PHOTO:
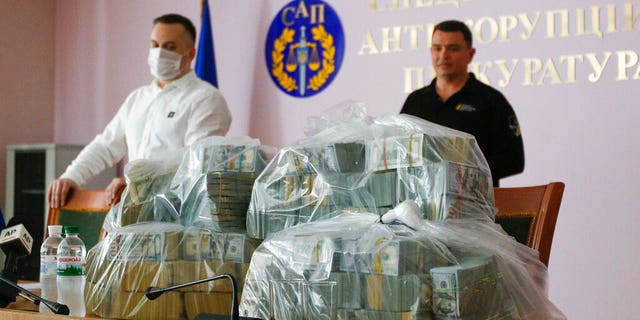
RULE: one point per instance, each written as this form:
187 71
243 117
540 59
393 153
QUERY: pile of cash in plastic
326 255
215 182
179 220
388 161
146 179
458 270
164 254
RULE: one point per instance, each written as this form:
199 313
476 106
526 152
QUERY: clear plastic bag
170 228
215 179
356 163
458 269
146 179
157 254
319 205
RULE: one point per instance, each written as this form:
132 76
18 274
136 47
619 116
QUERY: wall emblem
304 47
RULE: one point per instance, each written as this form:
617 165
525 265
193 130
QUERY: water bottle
71 275
49 266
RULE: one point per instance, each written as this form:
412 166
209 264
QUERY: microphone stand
152 293
55 307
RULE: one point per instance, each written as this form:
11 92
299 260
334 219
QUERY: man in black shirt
456 99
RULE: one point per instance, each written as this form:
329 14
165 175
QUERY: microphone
16 242
55 307
153 293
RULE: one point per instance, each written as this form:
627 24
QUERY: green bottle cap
71 229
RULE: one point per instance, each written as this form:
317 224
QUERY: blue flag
206 60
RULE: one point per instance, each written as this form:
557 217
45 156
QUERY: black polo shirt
482 111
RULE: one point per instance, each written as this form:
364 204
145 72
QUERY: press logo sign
304 47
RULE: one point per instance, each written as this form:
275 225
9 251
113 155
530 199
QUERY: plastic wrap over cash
180 219
146 179
212 187
208 184
352 266
371 165
159 254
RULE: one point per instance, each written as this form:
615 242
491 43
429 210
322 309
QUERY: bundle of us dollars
446 190
147 178
215 183
202 244
234 158
219 199
151 242
440 173
229 195
414 149
284 201
467 290
331 157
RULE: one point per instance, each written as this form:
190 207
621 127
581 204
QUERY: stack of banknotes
310 183
133 258
219 190
470 290
145 180
437 172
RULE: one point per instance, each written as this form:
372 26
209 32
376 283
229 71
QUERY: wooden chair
86 209
529 214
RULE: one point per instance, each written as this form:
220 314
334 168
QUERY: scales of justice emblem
304 49
298 58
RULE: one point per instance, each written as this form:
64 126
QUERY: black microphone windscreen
16 220
152 293
59 308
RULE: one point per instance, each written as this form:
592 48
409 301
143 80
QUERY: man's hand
114 190
59 190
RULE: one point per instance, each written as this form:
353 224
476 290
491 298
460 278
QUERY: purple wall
27 72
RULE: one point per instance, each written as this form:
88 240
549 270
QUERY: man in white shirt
174 111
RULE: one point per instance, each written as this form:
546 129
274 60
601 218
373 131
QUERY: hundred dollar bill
196 243
312 251
146 179
395 152
446 190
445 294
397 257
466 290
229 158
139 243
334 157
235 247
413 150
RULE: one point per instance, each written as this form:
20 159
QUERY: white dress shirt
153 122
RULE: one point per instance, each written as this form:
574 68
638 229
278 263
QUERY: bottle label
48 265
70 266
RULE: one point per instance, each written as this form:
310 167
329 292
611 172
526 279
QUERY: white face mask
164 64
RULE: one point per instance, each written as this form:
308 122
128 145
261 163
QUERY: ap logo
305 47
